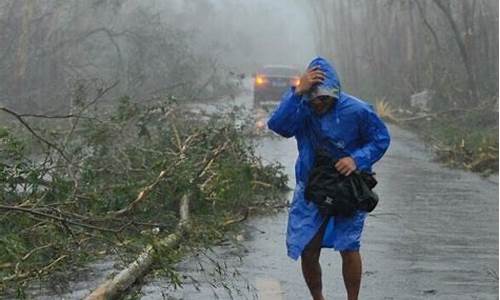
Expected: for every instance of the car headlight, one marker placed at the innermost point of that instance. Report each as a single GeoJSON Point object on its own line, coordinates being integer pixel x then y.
{"type": "Point", "coordinates": [260, 80]}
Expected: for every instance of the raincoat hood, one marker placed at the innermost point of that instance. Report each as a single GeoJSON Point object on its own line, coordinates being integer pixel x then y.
{"type": "Point", "coordinates": [331, 85]}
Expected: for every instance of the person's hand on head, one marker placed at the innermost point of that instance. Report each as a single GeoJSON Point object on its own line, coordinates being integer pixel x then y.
{"type": "Point", "coordinates": [309, 79]}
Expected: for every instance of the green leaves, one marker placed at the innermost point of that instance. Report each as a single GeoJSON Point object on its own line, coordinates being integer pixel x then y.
{"type": "Point", "coordinates": [156, 153]}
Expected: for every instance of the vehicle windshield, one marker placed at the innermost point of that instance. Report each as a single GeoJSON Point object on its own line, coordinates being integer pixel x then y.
{"type": "Point", "coordinates": [280, 71]}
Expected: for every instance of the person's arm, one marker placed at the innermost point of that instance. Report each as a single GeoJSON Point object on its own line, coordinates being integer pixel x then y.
{"type": "Point", "coordinates": [376, 140]}
{"type": "Point", "coordinates": [288, 116]}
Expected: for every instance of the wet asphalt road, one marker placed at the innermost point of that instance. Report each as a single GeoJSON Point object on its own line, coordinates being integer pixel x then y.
{"type": "Point", "coordinates": [434, 235]}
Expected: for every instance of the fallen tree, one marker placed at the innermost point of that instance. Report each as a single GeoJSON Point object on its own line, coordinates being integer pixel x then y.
{"type": "Point", "coordinates": [118, 285]}
{"type": "Point", "coordinates": [121, 180]}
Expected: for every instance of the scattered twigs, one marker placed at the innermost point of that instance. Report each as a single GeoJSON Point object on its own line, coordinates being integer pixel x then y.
{"type": "Point", "coordinates": [238, 220]}
{"type": "Point", "coordinates": [163, 174]}
{"type": "Point", "coordinates": [261, 183]}
{"type": "Point", "coordinates": [215, 154]}
{"type": "Point", "coordinates": [44, 270]}
{"type": "Point", "coordinates": [141, 196]}
{"type": "Point", "coordinates": [27, 255]}
{"type": "Point", "coordinates": [436, 114]}
{"type": "Point", "coordinates": [49, 266]}
{"type": "Point", "coordinates": [148, 189]}
{"type": "Point", "coordinates": [475, 157]}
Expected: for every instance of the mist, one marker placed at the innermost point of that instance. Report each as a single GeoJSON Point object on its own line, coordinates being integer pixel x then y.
{"type": "Point", "coordinates": [148, 46]}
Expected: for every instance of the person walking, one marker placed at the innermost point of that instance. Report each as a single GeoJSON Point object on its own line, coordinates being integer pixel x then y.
{"type": "Point", "coordinates": [319, 115]}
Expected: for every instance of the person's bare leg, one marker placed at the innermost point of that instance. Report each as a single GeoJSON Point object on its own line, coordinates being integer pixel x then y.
{"type": "Point", "coordinates": [351, 270]}
{"type": "Point", "coordinates": [311, 269]}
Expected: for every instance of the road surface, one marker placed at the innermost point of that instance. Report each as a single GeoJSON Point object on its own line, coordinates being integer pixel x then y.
{"type": "Point", "coordinates": [434, 235]}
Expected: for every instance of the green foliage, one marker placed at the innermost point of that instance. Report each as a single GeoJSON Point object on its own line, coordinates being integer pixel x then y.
{"type": "Point", "coordinates": [113, 160]}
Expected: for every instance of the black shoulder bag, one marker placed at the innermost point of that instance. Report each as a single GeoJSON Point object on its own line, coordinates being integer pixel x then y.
{"type": "Point", "coordinates": [336, 194]}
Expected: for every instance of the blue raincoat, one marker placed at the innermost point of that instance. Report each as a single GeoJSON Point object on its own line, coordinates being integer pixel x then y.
{"type": "Point", "coordinates": [349, 128]}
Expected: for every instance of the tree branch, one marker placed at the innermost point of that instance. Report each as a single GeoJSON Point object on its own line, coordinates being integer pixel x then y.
{"type": "Point", "coordinates": [60, 219]}
{"type": "Point", "coordinates": [39, 137]}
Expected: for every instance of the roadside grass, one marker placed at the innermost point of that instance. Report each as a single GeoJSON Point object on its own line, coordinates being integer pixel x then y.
{"type": "Point", "coordinates": [466, 139]}
{"type": "Point", "coordinates": [469, 142]}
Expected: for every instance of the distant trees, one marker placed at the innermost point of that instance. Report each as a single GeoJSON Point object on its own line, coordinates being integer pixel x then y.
{"type": "Point", "coordinates": [394, 48]}
{"type": "Point", "coordinates": [390, 48]}
{"type": "Point", "coordinates": [175, 47]}
{"type": "Point", "coordinates": [51, 47]}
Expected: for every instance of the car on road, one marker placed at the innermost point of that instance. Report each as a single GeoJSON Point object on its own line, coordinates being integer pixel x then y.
{"type": "Point", "coordinates": [270, 82]}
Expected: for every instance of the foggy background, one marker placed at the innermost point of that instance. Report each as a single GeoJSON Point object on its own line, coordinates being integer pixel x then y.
{"type": "Point", "coordinates": [183, 48]}
{"type": "Point", "coordinates": [386, 49]}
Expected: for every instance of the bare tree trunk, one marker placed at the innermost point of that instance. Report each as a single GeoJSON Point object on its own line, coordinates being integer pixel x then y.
{"type": "Point", "coordinates": [423, 12]}
{"type": "Point", "coordinates": [321, 19]}
{"type": "Point", "coordinates": [340, 34]}
{"type": "Point", "coordinates": [471, 81]}
{"type": "Point", "coordinates": [22, 48]}
{"type": "Point", "coordinates": [353, 68]}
